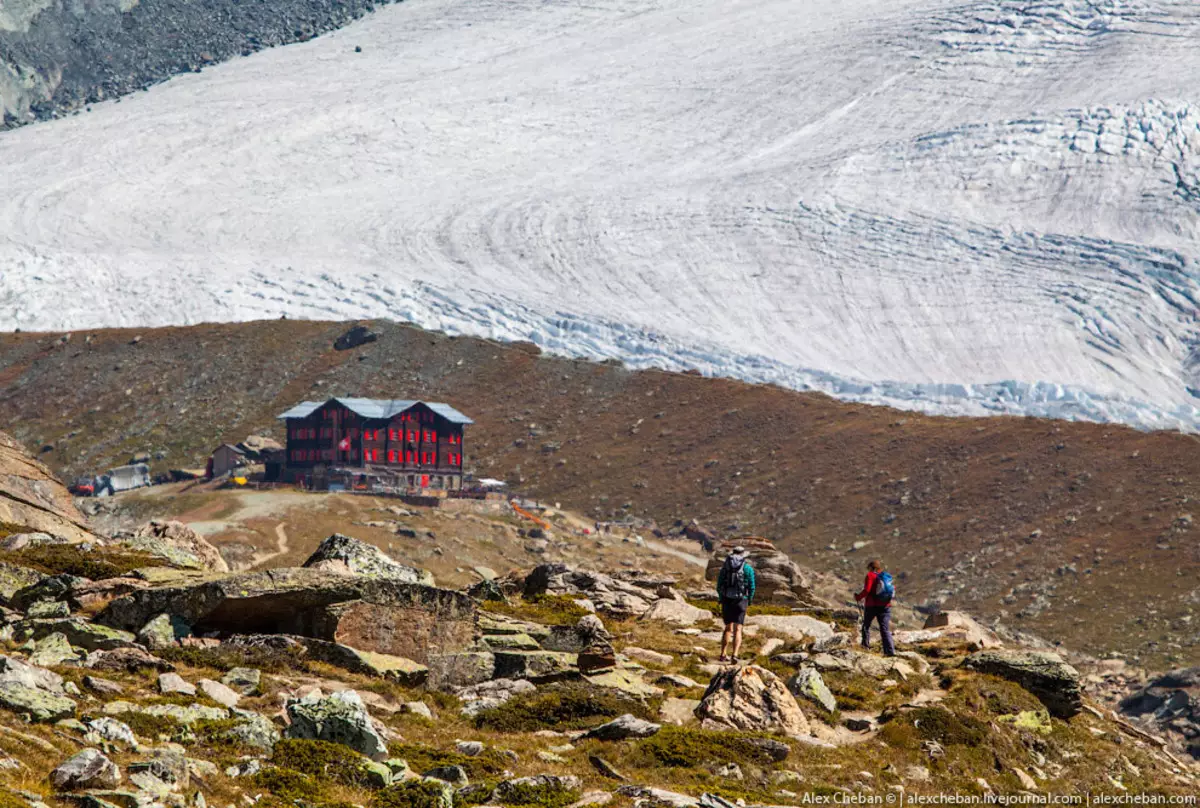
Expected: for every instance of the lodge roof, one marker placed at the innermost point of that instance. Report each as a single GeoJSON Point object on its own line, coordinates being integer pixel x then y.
{"type": "Point", "coordinates": [376, 408]}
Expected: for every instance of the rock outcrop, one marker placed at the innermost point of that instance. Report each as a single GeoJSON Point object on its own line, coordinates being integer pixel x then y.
{"type": "Point", "coordinates": [1170, 704]}
{"type": "Point", "coordinates": [777, 577]}
{"type": "Point", "coordinates": [32, 498]}
{"type": "Point", "coordinates": [177, 544]}
{"type": "Point", "coordinates": [751, 698]}
{"type": "Point", "coordinates": [375, 615]}
{"type": "Point", "coordinates": [88, 769]}
{"type": "Point", "coordinates": [339, 718]}
{"type": "Point", "coordinates": [348, 556]}
{"type": "Point", "coordinates": [1056, 684]}
{"type": "Point", "coordinates": [607, 593]}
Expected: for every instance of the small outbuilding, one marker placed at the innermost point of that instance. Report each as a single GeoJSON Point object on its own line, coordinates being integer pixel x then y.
{"type": "Point", "coordinates": [225, 458]}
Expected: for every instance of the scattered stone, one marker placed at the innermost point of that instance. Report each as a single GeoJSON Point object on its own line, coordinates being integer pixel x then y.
{"type": "Point", "coordinates": [605, 768]}
{"type": "Point", "coordinates": [961, 626]}
{"type": "Point", "coordinates": [254, 730]}
{"type": "Point", "coordinates": [678, 680]}
{"type": "Point", "coordinates": [357, 336]}
{"type": "Point", "coordinates": [176, 543]}
{"type": "Point", "coordinates": [104, 687]}
{"type": "Point", "coordinates": [184, 714]}
{"type": "Point", "coordinates": [678, 711]}
{"type": "Point", "coordinates": [1056, 684]}
{"type": "Point", "coordinates": [40, 705]}
{"type": "Point", "coordinates": [1027, 782]}
{"type": "Point", "coordinates": [86, 769]}
{"type": "Point", "coordinates": [917, 774]}
{"type": "Point", "coordinates": [130, 660]}
{"type": "Point", "coordinates": [219, 693]}
{"type": "Point", "coordinates": [418, 708]}
{"type": "Point", "coordinates": [648, 656]}
{"type": "Point", "coordinates": [626, 726]}
{"type": "Point", "coordinates": [592, 799]}
{"type": "Point", "coordinates": [469, 748]}
{"type": "Point", "coordinates": [48, 609]}
{"type": "Point", "coordinates": [796, 626]}
{"type": "Point", "coordinates": [770, 646]}
{"type": "Point", "coordinates": [809, 684]}
{"type": "Point", "coordinates": [486, 695]}
{"type": "Point", "coordinates": [339, 718]}
{"type": "Point", "coordinates": [164, 631]}
{"type": "Point", "coordinates": [110, 730]}
{"type": "Point", "coordinates": [454, 775]}
{"type": "Point", "coordinates": [751, 698]}
{"type": "Point", "coordinates": [54, 649]}
{"type": "Point", "coordinates": [534, 665]}
{"type": "Point", "coordinates": [676, 612]}
{"type": "Point", "coordinates": [174, 683]}
{"type": "Point", "coordinates": [345, 555]}
{"type": "Point", "coordinates": [243, 680]}
{"type": "Point", "coordinates": [730, 771]}
{"type": "Point", "coordinates": [646, 797]}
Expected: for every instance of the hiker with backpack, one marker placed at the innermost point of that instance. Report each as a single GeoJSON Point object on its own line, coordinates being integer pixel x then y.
{"type": "Point", "coordinates": [876, 596]}
{"type": "Point", "coordinates": [735, 589]}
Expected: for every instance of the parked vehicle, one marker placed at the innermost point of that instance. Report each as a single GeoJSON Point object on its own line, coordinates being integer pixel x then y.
{"type": "Point", "coordinates": [122, 478]}
{"type": "Point", "coordinates": [83, 487]}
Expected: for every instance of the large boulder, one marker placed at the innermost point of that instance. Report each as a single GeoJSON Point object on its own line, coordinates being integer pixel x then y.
{"type": "Point", "coordinates": [339, 718]}
{"type": "Point", "coordinates": [777, 578]}
{"type": "Point", "coordinates": [31, 496]}
{"type": "Point", "coordinates": [617, 597]}
{"type": "Point", "coordinates": [88, 769]}
{"type": "Point", "coordinates": [952, 626]}
{"type": "Point", "coordinates": [676, 612]}
{"type": "Point", "coordinates": [795, 626]}
{"type": "Point", "coordinates": [1056, 684]}
{"type": "Point", "coordinates": [349, 556]}
{"type": "Point", "coordinates": [369, 614]}
{"type": "Point", "coordinates": [751, 698]}
{"type": "Point", "coordinates": [177, 544]}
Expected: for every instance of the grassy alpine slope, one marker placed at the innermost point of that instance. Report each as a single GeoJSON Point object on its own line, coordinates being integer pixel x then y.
{"type": "Point", "coordinates": [1035, 522]}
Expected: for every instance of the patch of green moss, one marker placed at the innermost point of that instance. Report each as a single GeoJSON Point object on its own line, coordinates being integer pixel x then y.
{"type": "Point", "coordinates": [1037, 721]}
{"type": "Point", "coordinates": [227, 657]}
{"type": "Point", "coordinates": [684, 747]}
{"type": "Point", "coordinates": [288, 785]}
{"type": "Point", "coordinates": [544, 795]}
{"type": "Point", "coordinates": [150, 727]}
{"type": "Point", "coordinates": [943, 726]}
{"type": "Point", "coordinates": [68, 559]}
{"type": "Point", "coordinates": [411, 794]}
{"type": "Point", "coordinates": [422, 758]}
{"type": "Point", "coordinates": [322, 760]}
{"type": "Point", "coordinates": [551, 610]}
{"type": "Point", "coordinates": [570, 706]}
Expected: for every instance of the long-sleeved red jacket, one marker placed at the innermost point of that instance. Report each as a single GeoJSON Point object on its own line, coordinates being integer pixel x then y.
{"type": "Point", "coordinates": [868, 587]}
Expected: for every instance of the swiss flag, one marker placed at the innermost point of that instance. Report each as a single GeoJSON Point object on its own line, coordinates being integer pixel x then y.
{"type": "Point", "coordinates": [345, 444]}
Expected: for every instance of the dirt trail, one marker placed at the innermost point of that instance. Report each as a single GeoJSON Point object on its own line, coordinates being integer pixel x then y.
{"type": "Point", "coordinates": [281, 546]}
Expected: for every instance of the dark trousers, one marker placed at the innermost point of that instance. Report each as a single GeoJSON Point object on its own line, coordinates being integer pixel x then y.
{"type": "Point", "coordinates": [884, 615]}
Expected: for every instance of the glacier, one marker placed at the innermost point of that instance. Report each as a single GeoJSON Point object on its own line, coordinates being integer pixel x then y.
{"type": "Point", "coordinates": [953, 207]}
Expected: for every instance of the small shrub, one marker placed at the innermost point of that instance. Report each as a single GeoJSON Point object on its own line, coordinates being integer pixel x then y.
{"type": "Point", "coordinates": [323, 760]}
{"type": "Point", "coordinates": [544, 795]}
{"type": "Point", "coordinates": [411, 794]}
{"type": "Point", "coordinates": [421, 758]}
{"type": "Point", "coordinates": [943, 726]}
{"type": "Point", "coordinates": [288, 785]}
{"type": "Point", "coordinates": [684, 747]}
{"type": "Point", "coordinates": [562, 707]}
{"type": "Point", "coordinates": [68, 559]}
{"type": "Point", "coordinates": [552, 610]}
{"type": "Point", "coordinates": [227, 657]}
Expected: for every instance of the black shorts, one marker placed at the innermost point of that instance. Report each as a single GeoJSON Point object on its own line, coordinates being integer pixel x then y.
{"type": "Point", "coordinates": [734, 611]}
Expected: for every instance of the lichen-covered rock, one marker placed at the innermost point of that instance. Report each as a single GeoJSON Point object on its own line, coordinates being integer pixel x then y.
{"type": "Point", "coordinates": [32, 496]}
{"type": "Point", "coordinates": [221, 694]}
{"type": "Point", "coordinates": [487, 695]}
{"type": "Point", "coordinates": [19, 672]}
{"type": "Point", "coordinates": [174, 684]}
{"type": "Point", "coordinates": [751, 698]}
{"type": "Point", "coordinates": [244, 680]}
{"type": "Point", "coordinates": [254, 730]}
{"type": "Point", "coordinates": [535, 665]}
{"type": "Point", "coordinates": [130, 660]}
{"type": "Point", "coordinates": [339, 718]}
{"type": "Point", "coordinates": [14, 578]}
{"type": "Point", "coordinates": [371, 614]}
{"type": "Point", "coordinates": [54, 649]}
{"type": "Point", "coordinates": [177, 544]}
{"type": "Point", "coordinates": [85, 770]}
{"type": "Point", "coordinates": [110, 730]}
{"type": "Point", "coordinates": [79, 632]}
{"type": "Point", "coordinates": [777, 578]}
{"type": "Point", "coordinates": [1047, 676]}
{"type": "Point", "coordinates": [676, 612]}
{"type": "Point", "coordinates": [623, 727]}
{"type": "Point", "coordinates": [609, 594]}
{"type": "Point", "coordinates": [163, 631]}
{"type": "Point", "coordinates": [39, 705]}
{"type": "Point", "coordinates": [809, 684]}
{"type": "Point", "coordinates": [348, 556]}
{"type": "Point", "coordinates": [184, 714]}
{"type": "Point", "coordinates": [448, 671]}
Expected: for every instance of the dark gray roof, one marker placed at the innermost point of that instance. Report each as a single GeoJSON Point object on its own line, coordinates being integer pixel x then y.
{"type": "Point", "coordinates": [377, 408]}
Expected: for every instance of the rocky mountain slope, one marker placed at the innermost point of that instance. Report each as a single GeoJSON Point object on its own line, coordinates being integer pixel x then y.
{"type": "Point", "coordinates": [31, 498]}
{"type": "Point", "coordinates": [135, 671]}
{"type": "Point", "coordinates": [958, 207]}
{"type": "Point", "coordinates": [1027, 521]}
{"type": "Point", "coordinates": [57, 56]}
